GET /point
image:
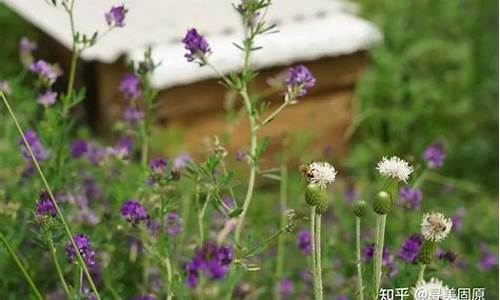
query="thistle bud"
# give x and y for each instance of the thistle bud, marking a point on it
(314, 194)
(322, 205)
(427, 252)
(359, 208)
(383, 203)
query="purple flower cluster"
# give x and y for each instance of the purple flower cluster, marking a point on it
(181, 161)
(457, 218)
(130, 86)
(37, 148)
(434, 155)
(285, 287)
(134, 212)
(410, 197)
(44, 205)
(145, 297)
(299, 80)
(174, 223)
(304, 241)
(48, 98)
(133, 113)
(122, 149)
(158, 165)
(115, 17)
(212, 260)
(197, 46)
(488, 258)
(410, 247)
(78, 148)
(26, 48)
(47, 76)
(86, 251)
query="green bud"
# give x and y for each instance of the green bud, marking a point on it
(314, 195)
(359, 208)
(322, 206)
(383, 203)
(426, 253)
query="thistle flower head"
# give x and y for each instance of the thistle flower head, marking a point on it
(197, 46)
(116, 16)
(319, 173)
(435, 227)
(395, 168)
(432, 290)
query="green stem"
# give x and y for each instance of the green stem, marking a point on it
(264, 242)
(58, 267)
(317, 241)
(51, 195)
(21, 267)
(201, 215)
(168, 266)
(253, 164)
(283, 221)
(274, 114)
(378, 255)
(421, 273)
(359, 265)
(313, 248)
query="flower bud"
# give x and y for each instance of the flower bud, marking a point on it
(322, 205)
(359, 208)
(383, 203)
(427, 252)
(314, 194)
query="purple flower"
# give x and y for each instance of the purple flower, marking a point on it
(181, 161)
(26, 48)
(299, 80)
(122, 149)
(410, 247)
(387, 259)
(130, 86)
(410, 197)
(457, 218)
(36, 146)
(341, 297)
(350, 193)
(83, 244)
(116, 16)
(197, 46)
(241, 155)
(434, 155)
(46, 72)
(78, 148)
(158, 165)
(133, 113)
(174, 223)
(134, 212)
(95, 154)
(212, 260)
(285, 287)
(5, 87)
(304, 241)
(488, 258)
(48, 98)
(44, 206)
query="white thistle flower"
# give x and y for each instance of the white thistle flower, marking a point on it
(433, 290)
(395, 167)
(320, 173)
(435, 227)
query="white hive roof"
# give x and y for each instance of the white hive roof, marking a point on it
(308, 30)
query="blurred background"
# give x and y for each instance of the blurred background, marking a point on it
(393, 77)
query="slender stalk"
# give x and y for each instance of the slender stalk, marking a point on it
(21, 267)
(274, 114)
(283, 220)
(80, 285)
(379, 250)
(81, 262)
(359, 265)
(317, 241)
(168, 266)
(264, 242)
(253, 164)
(421, 272)
(58, 267)
(201, 215)
(313, 248)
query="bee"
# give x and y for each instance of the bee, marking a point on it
(306, 171)
(436, 224)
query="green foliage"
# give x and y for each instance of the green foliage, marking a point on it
(433, 77)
